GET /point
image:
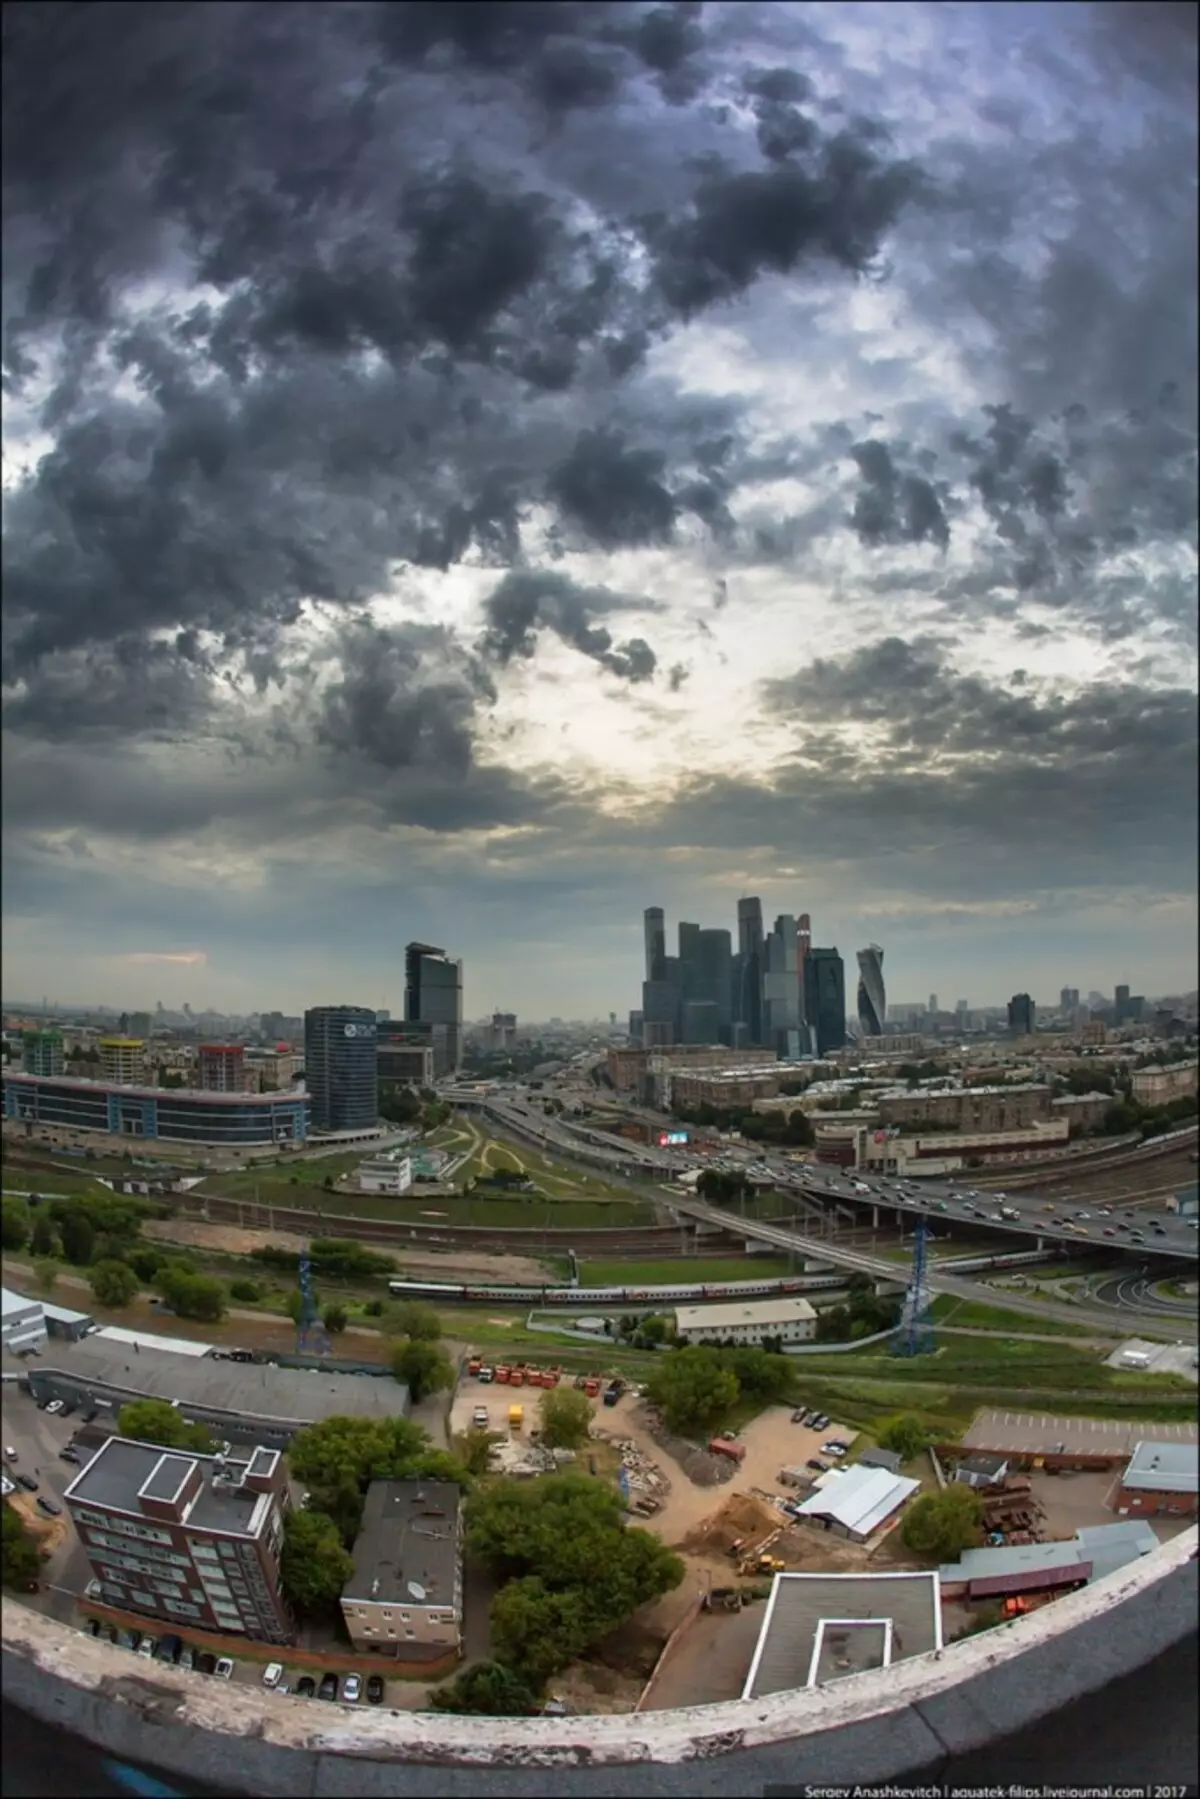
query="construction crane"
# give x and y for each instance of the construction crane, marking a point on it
(310, 1332)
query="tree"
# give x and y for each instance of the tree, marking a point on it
(42, 1241)
(417, 1320)
(113, 1284)
(14, 1223)
(473, 1448)
(22, 1559)
(192, 1295)
(693, 1389)
(78, 1237)
(314, 1566)
(339, 1457)
(905, 1436)
(539, 1631)
(47, 1275)
(566, 1417)
(248, 1292)
(422, 1367)
(489, 1689)
(158, 1421)
(941, 1525)
(335, 1318)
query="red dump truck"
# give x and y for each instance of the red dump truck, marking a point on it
(724, 1446)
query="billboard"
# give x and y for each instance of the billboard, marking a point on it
(668, 1139)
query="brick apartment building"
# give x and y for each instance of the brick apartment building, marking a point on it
(973, 1109)
(186, 1539)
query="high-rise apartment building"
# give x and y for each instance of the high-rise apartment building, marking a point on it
(185, 1539)
(122, 1061)
(42, 1053)
(825, 1000)
(872, 998)
(222, 1068)
(433, 996)
(1068, 999)
(341, 1067)
(1021, 1015)
(655, 934)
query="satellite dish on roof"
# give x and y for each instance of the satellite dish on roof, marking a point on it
(416, 1589)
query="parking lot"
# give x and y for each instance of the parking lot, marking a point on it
(1037, 1434)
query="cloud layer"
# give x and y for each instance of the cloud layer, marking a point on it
(573, 455)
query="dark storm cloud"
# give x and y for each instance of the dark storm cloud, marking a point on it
(527, 601)
(404, 695)
(895, 508)
(614, 492)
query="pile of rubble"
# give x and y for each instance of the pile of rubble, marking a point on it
(524, 1460)
(701, 1467)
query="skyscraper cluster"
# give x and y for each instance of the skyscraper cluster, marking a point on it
(773, 991)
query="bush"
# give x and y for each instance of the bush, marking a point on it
(246, 1291)
(14, 1228)
(335, 1318)
(192, 1295)
(941, 1525)
(113, 1284)
(489, 1690)
(905, 1435)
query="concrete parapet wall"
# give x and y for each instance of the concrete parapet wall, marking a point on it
(870, 1728)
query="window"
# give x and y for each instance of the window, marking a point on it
(203, 1552)
(146, 1599)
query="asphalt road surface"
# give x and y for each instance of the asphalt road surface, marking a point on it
(1141, 1731)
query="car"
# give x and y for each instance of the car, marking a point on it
(224, 1668)
(814, 1462)
(283, 1687)
(1160, 1230)
(351, 1689)
(831, 1450)
(128, 1639)
(479, 1417)
(1121, 1225)
(10, 1455)
(187, 1657)
(206, 1662)
(55, 1406)
(328, 1688)
(28, 1482)
(837, 1443)
(49, 1507)
(374, 1689)
(146, 1648)
(91, 1416)
(1108, 1233)
(820, 1421)
(272, 1674)
(67, 1410)
(69, 1455)
(306, 1686)
(170, 1648)
(799, 1416)
(1104, 1211)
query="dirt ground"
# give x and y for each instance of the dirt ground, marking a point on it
(226, 1239)
(50, 1532)
(1073, 1500)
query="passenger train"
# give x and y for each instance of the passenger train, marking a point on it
(447, 1294)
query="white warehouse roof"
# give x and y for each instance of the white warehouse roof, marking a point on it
(113, 1333)
(861, 1500)
(1163, 1468)
(11, 1302)
(737, 1315)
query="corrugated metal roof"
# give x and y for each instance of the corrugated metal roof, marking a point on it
(1009, 1558)
(64, 1315)
(11, 1302)
(1035, 1580)
(861, 1499)
(1164, 1468)
(114, 1333)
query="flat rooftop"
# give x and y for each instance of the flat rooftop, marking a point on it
(822, 1627)
(406, 1550)
(244, 1391)
(738, 1314)
(121, 1468)
(1164, 1467)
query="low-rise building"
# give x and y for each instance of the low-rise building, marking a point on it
(22, 1322)
(859, 1502)
(1158, 1086)
(404, 1598)
(823, 1627)
(1161, 1479)
(791, 1320)
(184, 1538)
(387, 1174)
(1013, 1569)
(982, 1470)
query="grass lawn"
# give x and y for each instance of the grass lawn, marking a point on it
(969, 1314)
(518, 1211)
(683, 1269)
(50, 1182)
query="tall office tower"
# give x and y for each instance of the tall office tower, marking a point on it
(933, 1005)
(715, 960)
(655, 932)
(635, 1028)
(700, 1021)
(660, 1014)
(803, 946)
(341, 1067)
(689, 962)
(825, 1000)
(872, 1000)
(750, 952)
(433, 996)
(1121, 1005)
(781, 988)
(1020, 1015)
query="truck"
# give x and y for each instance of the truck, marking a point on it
(516, 1417)
(592, 1385)
(1135, 1358)
(479, 1417)
(474, 1365)
(1011, 1213)
(736, 1452)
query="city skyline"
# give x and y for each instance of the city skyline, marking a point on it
(455, 489)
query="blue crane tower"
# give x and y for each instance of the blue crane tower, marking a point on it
(914, 1334)
(310, 1332)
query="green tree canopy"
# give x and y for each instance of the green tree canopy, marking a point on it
(538, 1630)
(941, 1525)
(905, 1435)
(335, 1318)
(314, 1566)
(422, 1367)
(338, 1458)
(47, 1272)
(113, 1283)
(157, 1421)
(78, 1237)
(191, 1295)
(566, 1417)
(14, 1222)
(22, 1557)
(413, 1318)
(489, 1689)
(42, 1241)
(693, 1389)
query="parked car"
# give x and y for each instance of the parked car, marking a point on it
(49, 1507)
(272, 1674)
(10, 1455)
(145, 1648)
(91, 1416)
(67, 1409)
(187, 1657)
(833, 1449)
(55, 1406)
(351, 1689)
(27, 1481)
(224, 1669)
(170, 1648)
(69, 1455)
(205, 1662)
(328, 1688)
(819, 1466)
(306, 1686)
(128, 1639)
(799, 1417)
(374, 1689)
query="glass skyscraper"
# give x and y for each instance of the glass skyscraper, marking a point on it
(340, 1067)
(433, 997)
(825, 999)
(872, 999)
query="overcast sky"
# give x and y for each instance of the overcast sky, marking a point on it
(475, 471)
